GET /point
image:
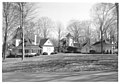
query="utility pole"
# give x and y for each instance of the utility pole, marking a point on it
(21, 26)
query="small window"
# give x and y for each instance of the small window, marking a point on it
(20, 50)
(32, 51)
(26, 51)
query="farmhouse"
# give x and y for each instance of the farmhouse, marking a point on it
(47, 46)
(30, 44)
(107, 46)
(30, 48)
(70, 41)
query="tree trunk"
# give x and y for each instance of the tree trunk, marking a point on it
(117, 10)
(5, 39)
(101, 39)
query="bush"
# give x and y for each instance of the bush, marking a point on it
(71, 49)
(92, 51)
(45, 53)
(52, 53)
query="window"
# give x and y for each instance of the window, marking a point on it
(20, 50)
(26, 51)
(48, 49)
(32, 50)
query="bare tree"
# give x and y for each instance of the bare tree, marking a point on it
(44, 26)
(78, 30)
(59, 33)
(117, 10)
(30, 29)
(104, 18)
(74, 29)
(24, 9)
(10, 20)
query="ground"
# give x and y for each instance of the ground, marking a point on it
(62, 67)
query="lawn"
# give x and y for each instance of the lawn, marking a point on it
(62, 63)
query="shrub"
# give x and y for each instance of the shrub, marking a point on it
(71, 49)
(52, 53)
(92, 51)
(45, 53)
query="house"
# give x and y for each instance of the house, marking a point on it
(30, 49)
(68, 44)
(69, 39)
(46, 45)
(107, 46)
(30, 44)
(85, 48)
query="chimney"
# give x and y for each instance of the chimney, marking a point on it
(17, 42)
(35, 42)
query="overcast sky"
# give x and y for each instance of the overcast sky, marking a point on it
(64, 12)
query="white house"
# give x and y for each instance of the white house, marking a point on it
(69, 39)
(47, 46)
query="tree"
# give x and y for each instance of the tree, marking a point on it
(24, 9)
(30, 29)
(10, 20)
(74, 29)
(60, 29)
(104, 18)
(79, 30)
(117, 10)
(44, 26)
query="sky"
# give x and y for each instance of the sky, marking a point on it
(64, 12)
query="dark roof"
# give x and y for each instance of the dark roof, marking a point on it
(84, 44)
(32, 37)
(28, 47)
(42, 41)
(99, 42)
(68, 35)
(18, 33)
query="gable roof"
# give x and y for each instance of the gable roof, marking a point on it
(84, 44)
(18, 33)
(42, 41)
(68, 35)
(104, 43)
(28, 47)
(32, 38)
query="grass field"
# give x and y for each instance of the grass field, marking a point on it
(61, 63)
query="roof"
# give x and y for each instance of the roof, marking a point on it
(18, 33)
(42, 41)
(68, 35)
(27, 41)
(32, 37)
(29, 47)
(104, 43)
(84, 44)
